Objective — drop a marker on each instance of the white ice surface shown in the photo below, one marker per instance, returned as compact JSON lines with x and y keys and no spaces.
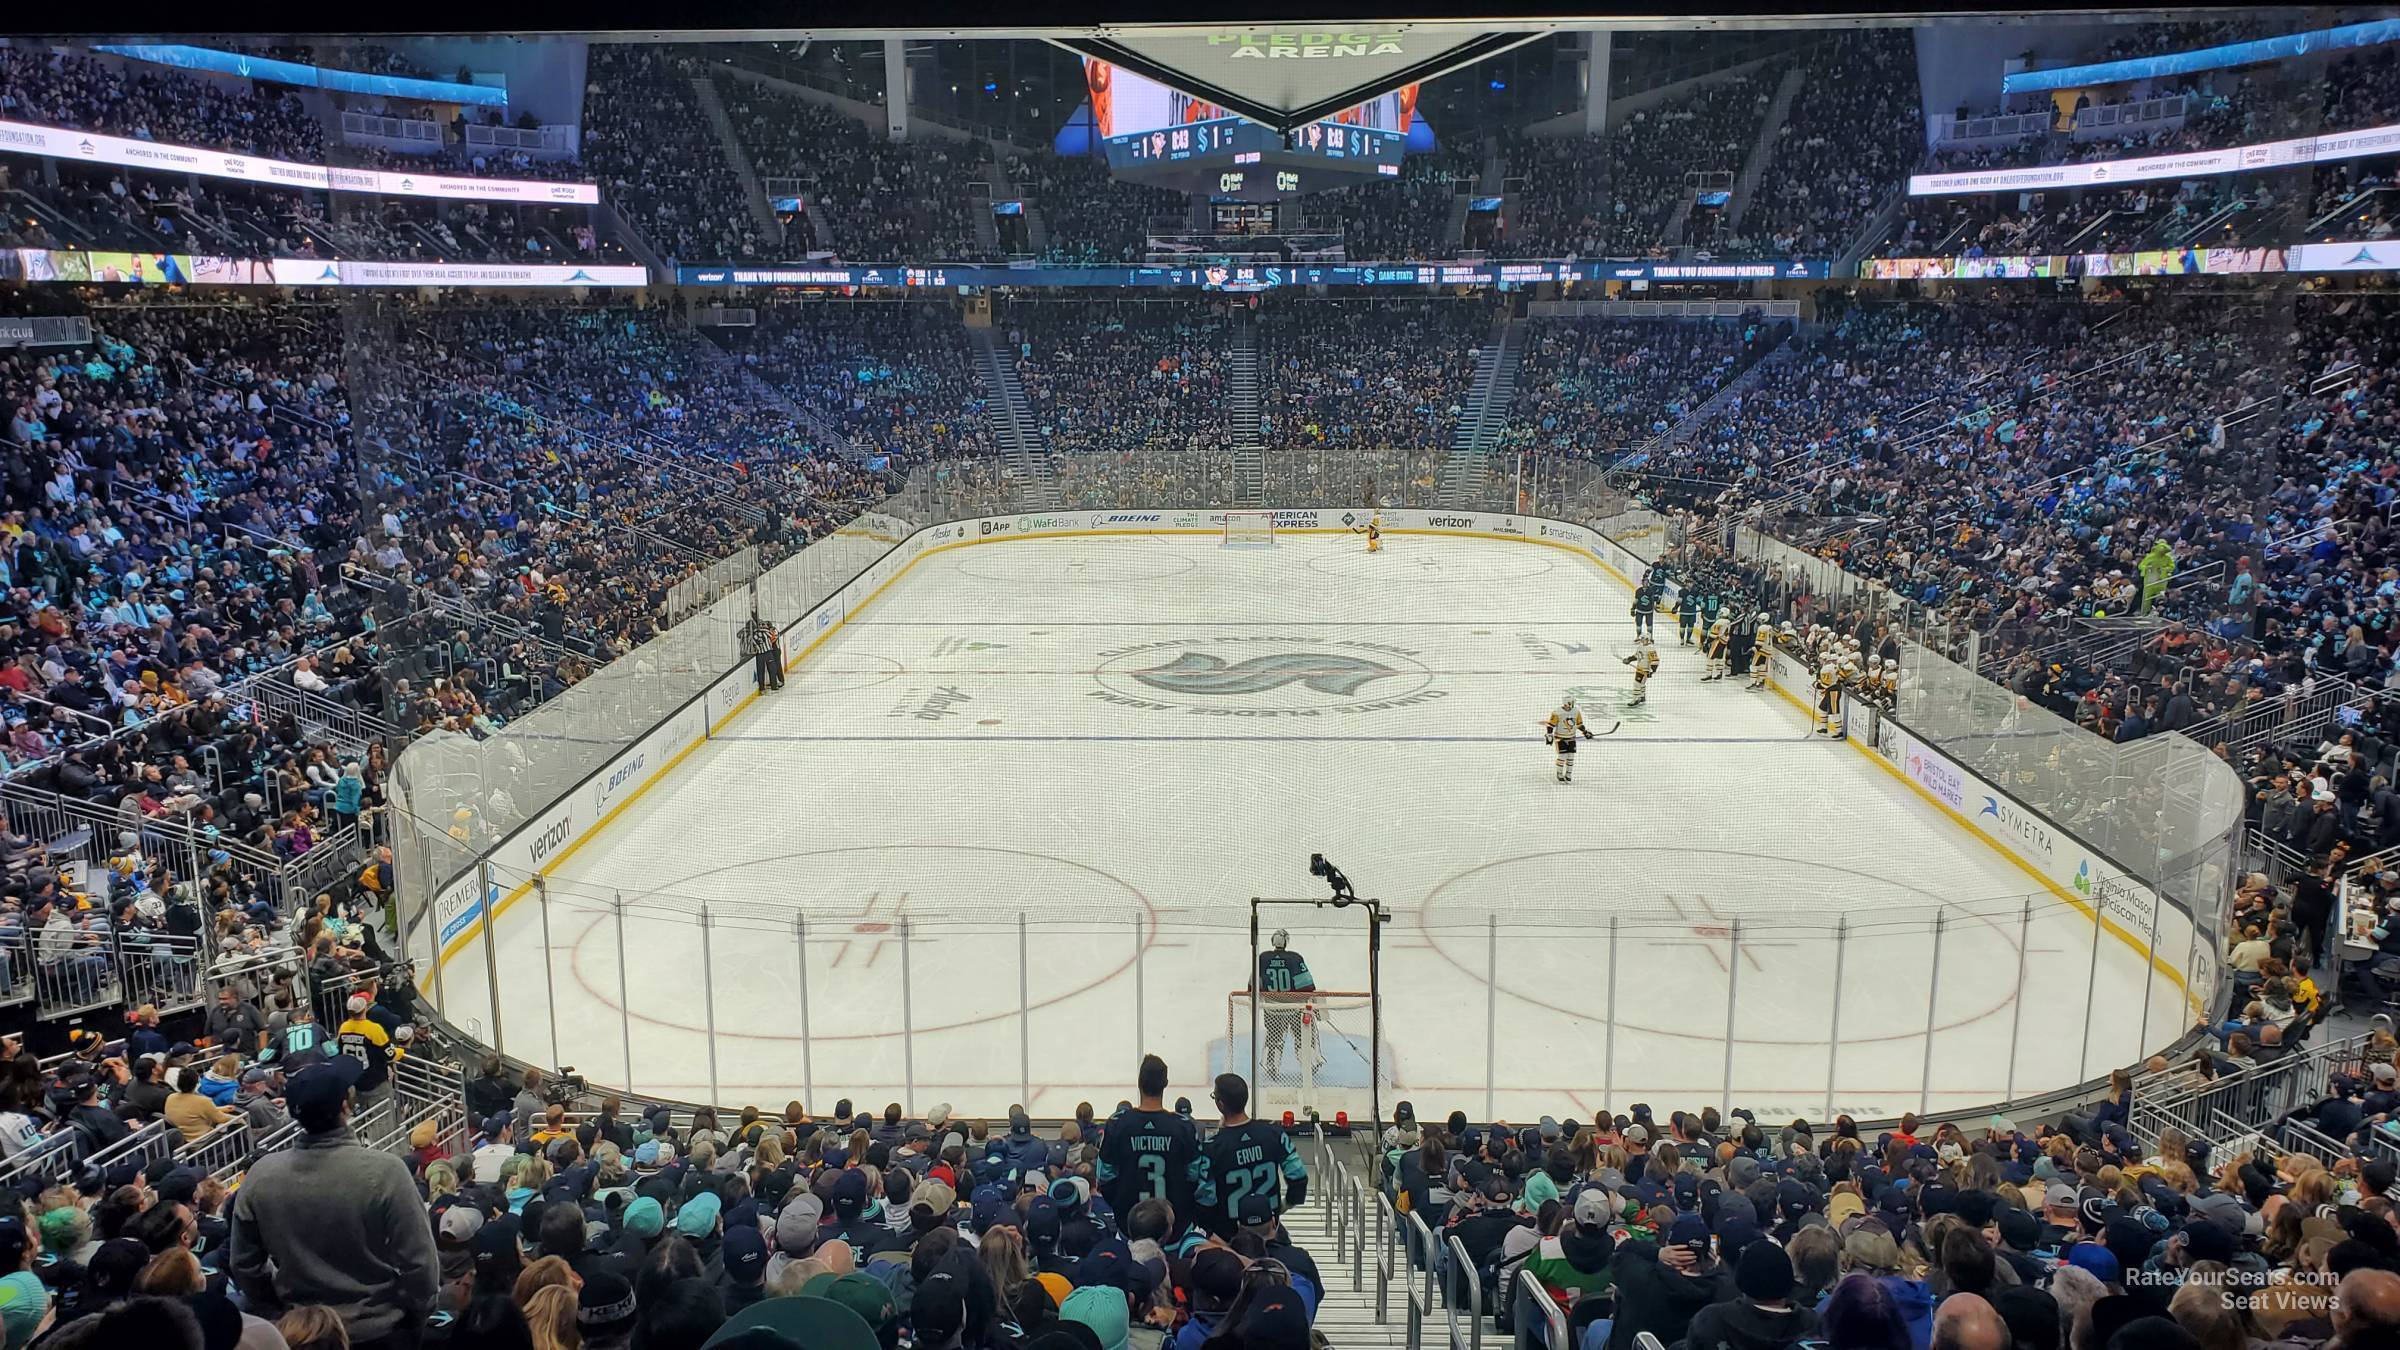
{"x":981,"y":744}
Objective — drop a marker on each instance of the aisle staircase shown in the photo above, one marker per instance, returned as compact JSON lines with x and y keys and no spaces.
{"x":1762,"y":151}
{"x":1691,"y":422}
{"x":1379,"y":1293}
{"x":1249,"y":445}
{"x":1486,"y":416}
{"x":1335,"y":1227}
{"x":754,"y":193}
{"x":1021,"y":454}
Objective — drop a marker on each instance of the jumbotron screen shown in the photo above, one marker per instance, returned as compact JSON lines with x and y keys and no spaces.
{"x":1142,"y":122}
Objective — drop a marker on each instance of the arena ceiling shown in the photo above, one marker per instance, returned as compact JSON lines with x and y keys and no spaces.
{"x":1247,"y":57}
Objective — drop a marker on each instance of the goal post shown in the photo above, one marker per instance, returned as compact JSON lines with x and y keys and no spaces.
{"x":1249,"y":528}
{"x":1306,"y":1028}
{"x":1310,"y":1052}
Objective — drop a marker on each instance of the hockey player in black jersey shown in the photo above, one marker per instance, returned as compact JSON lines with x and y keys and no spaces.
{"x":1151,"y":1153}
{"x":1249,"y":1158}
{"x":1282,"y":975}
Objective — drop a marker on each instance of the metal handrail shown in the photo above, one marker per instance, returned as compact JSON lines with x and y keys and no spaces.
{"x":1531,"y":1297}
{"x":1356,"y":1202}
{"x":1462,"y":1272}
{"x":1387,"y":1226}
{"x":1421,"y":1295}
{"x":1340,"y":1216}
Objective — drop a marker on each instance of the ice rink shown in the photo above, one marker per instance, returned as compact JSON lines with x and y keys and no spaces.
{"x":1062,"y":767}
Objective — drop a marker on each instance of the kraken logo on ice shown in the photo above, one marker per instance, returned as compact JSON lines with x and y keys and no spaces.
{"x":1202,"y":673}
{"x":1263,"y":675}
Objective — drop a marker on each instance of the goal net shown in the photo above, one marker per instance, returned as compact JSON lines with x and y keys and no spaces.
{"x":1303,"y":1026}
{"x":1309,"y":1053}
{"x":1249,"y":527}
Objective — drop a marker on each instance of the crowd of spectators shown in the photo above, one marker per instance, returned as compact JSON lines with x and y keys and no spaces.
{"x":2352,"y":201}
{"x":2079,"y":471}
{"x":577,"y":462}
{"x":154,"y":103}
{"x":2216,"y":113}
{"x":1115,"y":375}
{"x":186,"y":514}
{"x":169,"y":494}
{"x":2355,"y":90}
{"x":1363,"y":397}
{"x":871,"y":199}
{"x":1404,"y":218}
{"x":1854,"y":133}
{"x":1596,"y":388}
{"x":1090,"y":215}
{"x":894,"y":378}
{"x":648,"y":143}
{"x":2157,"y":39}
{"x":118,"y":209}
{"x":1614,"y":195}
{"x":153,"y":1247}
{"x":2199,"y":212}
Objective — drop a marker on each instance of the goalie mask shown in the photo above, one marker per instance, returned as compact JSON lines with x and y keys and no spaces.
{"x":1282,"y":938}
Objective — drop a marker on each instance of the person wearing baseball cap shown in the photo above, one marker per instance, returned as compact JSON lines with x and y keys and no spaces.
{"x":1572,"y":1263}
{"x":744,"y":1253}
{"x":2062,"y":1216}
{"x":799,"y":1226}
{"x":333,"y":1222}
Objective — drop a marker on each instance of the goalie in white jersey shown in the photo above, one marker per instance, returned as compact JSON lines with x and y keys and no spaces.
{"x":1563,"y":729}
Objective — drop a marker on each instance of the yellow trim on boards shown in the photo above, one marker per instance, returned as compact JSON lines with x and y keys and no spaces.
{"x":2121,"y":933}
{"x":460,"y":943}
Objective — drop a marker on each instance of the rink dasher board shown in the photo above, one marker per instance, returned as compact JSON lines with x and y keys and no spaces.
{"x":2051,"y":854}
{"x":464,"y":908}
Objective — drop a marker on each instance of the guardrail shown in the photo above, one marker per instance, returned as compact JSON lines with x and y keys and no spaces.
{"x":2216,"y":1109}
{"x":1423,"y":1300}
{"x":1533,"y":1301}
{"x":1463,"y":1275}
{"x":1387,"y":1233}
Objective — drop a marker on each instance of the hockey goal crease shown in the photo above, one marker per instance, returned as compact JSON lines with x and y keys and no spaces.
{"x":1313,"y":1053}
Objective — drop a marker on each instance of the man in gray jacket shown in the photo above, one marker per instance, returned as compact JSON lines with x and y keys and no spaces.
{"x":334,"y":1222}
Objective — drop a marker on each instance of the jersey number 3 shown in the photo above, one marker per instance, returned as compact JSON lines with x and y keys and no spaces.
{"x":1154,"y":1175}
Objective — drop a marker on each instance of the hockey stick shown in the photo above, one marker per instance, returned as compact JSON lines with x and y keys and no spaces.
{"x":1610,"y":730}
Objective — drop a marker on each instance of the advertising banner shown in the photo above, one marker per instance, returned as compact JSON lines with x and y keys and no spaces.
{"x":2017,"y":266}
{"x":317,"y":272}
{"x":91,"y":147}
{"x":1243,"y":277}
{"x":2301,"y":150}
{"x":188,"y":269}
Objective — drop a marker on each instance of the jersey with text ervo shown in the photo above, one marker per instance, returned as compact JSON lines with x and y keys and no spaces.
{"x":1253,"y":1158}
{"x":1154,"y":1155}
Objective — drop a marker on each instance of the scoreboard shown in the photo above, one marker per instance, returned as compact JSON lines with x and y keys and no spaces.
{"x":1153,"y":134}
{"x":1232,"y":140}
